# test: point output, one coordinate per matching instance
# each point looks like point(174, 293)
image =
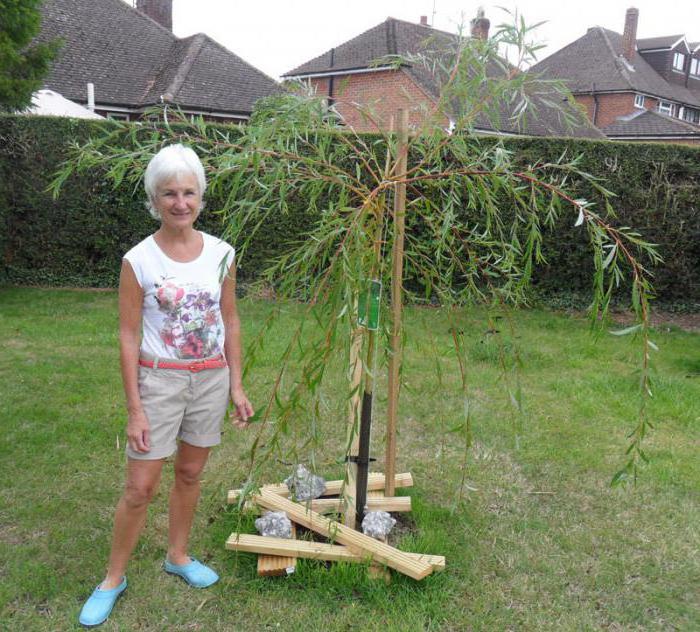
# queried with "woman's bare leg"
point(141, 483)
point(189, 463)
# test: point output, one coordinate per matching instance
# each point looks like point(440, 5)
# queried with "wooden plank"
point(375, 481)
point(336, 505)
point(397, 257)
point(280, 547)
point(276, 565)
point(298, 548)
point(360, 543)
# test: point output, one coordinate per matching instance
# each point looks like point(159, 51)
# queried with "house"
point(133, 61)
point(354, 73)
point(633, 89)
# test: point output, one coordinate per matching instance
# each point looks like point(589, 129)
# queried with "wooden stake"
point(396, 301)
point(358, 542)
point(363, 452)
point(353, 431)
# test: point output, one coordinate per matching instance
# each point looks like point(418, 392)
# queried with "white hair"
point(171, 162)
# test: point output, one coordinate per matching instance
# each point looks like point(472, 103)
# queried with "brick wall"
point(381, 93)
point(610, 106)
point(651, 103)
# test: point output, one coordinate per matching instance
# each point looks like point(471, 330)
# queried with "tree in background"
point(22, 65)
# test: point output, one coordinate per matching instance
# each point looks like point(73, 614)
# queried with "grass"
point(543, 543)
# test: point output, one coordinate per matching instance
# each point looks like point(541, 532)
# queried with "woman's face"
point(178, 201)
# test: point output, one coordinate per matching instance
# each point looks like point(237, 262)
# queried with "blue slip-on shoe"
point(99, 605)
point(194, 573)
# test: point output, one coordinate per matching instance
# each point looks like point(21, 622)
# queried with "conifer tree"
point(23, 64)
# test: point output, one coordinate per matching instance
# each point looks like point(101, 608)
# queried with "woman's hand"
point(242, 408)
point(138, 432)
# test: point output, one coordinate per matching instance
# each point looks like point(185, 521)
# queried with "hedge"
point(78, 240)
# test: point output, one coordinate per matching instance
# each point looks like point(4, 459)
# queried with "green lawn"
point(580, 556)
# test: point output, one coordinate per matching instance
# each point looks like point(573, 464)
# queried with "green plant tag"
point(368, 306)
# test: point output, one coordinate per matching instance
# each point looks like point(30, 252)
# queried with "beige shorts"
point(182, 405)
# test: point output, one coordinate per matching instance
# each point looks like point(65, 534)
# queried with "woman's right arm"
point(130, 314)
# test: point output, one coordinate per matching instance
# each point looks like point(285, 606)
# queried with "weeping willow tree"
point(476, 222)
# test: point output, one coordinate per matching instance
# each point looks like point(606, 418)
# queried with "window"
point(639, 101)
point(118, 116)
point(695, 66)
point(666, 107)
point(678, 61)
point(692, 116)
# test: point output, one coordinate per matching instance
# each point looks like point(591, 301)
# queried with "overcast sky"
point(278, 35)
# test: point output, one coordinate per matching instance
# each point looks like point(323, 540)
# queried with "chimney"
point(480, 25)
point(424, 20)
point(159, 10)
point(629, 36)
point(91, 97)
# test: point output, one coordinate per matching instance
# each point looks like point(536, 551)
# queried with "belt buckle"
point(196, 367)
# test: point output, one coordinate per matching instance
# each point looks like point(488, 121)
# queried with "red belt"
point(195, 366)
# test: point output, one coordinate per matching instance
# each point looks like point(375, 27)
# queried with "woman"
point(179, 336)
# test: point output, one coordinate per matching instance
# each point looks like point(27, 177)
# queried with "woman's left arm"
point(243, 409)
